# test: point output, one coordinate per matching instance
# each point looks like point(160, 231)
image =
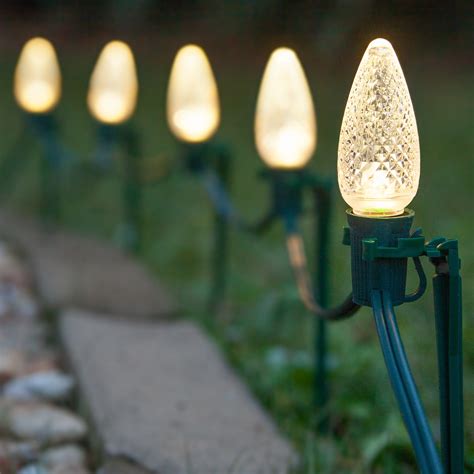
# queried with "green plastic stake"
point(441, 305)
point(456, 370)
point(449, 310)
point(199, 159)
point(45, 127)
point(321, 385)
point(219, 257)
point(131, 191)
point(50, 195)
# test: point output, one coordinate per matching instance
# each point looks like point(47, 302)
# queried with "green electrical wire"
point(409, 383)
point(397, 384)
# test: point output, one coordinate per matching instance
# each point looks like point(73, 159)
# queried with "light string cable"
point(225, 208)
point(404, 385)
point(298, 260)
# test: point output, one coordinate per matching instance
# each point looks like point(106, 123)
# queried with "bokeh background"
point(263, 328)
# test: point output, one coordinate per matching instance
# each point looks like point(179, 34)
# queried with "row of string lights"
point(193, 101)
point(285, 119)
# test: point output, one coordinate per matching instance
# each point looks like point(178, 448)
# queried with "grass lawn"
point(263, 328)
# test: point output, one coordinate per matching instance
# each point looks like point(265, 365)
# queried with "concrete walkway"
point(73, 270)
point(161, 395)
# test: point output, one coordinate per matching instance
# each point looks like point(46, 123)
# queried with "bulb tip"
point(38, 42)
point(284, 54)
point(117, 45)
point(191, 48)
point(380, 43)
point(38, 39)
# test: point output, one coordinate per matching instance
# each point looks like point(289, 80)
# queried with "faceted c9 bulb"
point(379, 151)
point(193, 101)
point(113, 86)
point(37, 85)
point(285, 120)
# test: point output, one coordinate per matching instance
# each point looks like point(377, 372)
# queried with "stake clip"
point(406, 247)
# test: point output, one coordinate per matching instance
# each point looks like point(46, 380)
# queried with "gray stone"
point(41, 422)
point(33, 469)
point(50, 385)
point(73, 270)
point(66, 456)
point(161, 395)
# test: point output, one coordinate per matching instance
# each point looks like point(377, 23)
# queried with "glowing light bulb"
point(285, 120)
point(37, 83)
point(379, 151)
point(113, 86)
point(193, 100)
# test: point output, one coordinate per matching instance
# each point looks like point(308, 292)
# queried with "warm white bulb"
point(379, 151)
point(113, 88)
point(37, 84)
point(193, 101)
point(285, 120)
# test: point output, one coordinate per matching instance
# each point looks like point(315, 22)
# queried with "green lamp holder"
point(380, 249)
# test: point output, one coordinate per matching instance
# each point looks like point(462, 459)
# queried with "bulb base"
point(387, 274)
point(287, 191)
point(195, 155)
point(378, 213)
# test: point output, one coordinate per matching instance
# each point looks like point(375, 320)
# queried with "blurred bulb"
point(113, 86)
point(379, 151)
point(285, 120)
point(37, 84)
point(193, 101)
